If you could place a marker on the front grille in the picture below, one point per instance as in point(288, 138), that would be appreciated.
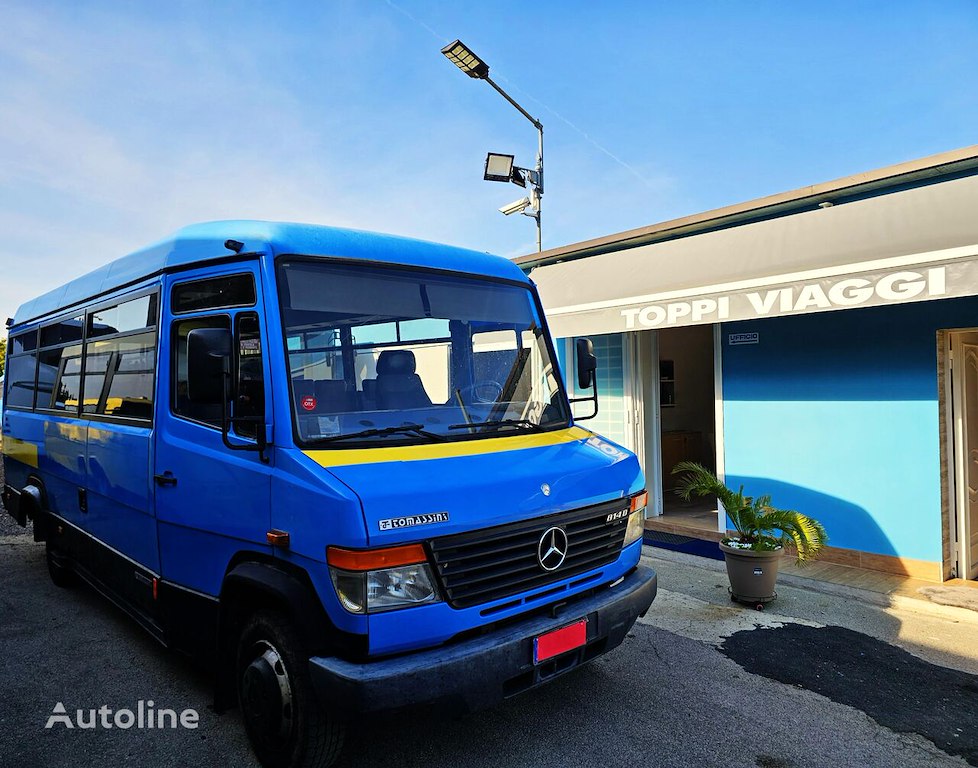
point(493, 563)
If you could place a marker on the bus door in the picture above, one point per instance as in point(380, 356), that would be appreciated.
point(212, 501)
point(116, 502)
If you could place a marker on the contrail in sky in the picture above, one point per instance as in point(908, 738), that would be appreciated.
point(587, 137)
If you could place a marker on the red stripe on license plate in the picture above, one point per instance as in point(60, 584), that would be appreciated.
point(559, 641)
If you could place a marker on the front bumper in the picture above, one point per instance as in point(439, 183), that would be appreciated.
point(482, 671)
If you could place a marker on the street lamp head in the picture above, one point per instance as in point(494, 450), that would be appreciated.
point(463, 58)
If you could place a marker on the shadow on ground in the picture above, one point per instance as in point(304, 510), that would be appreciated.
point(898, 690)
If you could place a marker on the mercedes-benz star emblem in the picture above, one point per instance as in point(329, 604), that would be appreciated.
point(552, 549)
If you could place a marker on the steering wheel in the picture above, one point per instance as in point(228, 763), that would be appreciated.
point(483, 392)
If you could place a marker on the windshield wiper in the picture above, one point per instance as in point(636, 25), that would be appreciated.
point(413, 429)
point(524, 423)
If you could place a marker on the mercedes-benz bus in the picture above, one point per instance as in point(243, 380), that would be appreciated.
point(340, 468)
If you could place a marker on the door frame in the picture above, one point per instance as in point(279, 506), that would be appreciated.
point(649, 437)
point(718, 420)
point(631, 362)
point(958, 532)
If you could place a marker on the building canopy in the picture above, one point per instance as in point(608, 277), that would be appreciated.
point(918, 244)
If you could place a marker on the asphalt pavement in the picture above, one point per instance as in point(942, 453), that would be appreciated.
point(668, 697)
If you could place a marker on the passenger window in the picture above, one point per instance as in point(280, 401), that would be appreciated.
point(112, 375)
point(59, 365)
point(249, 400)
point(422, 330)
point(63, 332)
point(22, 342)
point(59, 378)
point(180, 403)
point(213, 293)
point(129, 316)
point(20, 373)
point(97, 358)
point(119, 376)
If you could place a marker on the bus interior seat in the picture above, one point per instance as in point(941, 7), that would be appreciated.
point(369, 394)
point(398, 386)
point(331, 395)
point(334, 396)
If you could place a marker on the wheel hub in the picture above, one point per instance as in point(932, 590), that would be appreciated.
point(267, 694)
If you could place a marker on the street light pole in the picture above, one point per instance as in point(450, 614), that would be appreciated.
point(537, 184)
point(463, 57)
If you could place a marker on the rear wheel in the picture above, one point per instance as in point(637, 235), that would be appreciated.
point(282, 716)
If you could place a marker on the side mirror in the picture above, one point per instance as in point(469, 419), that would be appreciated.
point(587, 363)
point(208, 358)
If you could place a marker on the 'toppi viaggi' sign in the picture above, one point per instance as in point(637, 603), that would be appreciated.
point(810, 296)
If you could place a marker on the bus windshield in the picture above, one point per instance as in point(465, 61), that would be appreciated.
point(390, 355)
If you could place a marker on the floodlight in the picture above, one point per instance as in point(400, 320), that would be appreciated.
point(499, 167)
point(462, 57)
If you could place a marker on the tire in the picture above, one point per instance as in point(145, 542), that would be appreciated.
point(61, 574)
point(282, 716)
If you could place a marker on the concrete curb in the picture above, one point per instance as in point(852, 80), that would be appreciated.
point(868, 597)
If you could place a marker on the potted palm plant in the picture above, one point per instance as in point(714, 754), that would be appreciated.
point(763, 534)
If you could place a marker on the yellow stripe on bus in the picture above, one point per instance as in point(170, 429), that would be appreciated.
point(21, 451)
point(340, 457)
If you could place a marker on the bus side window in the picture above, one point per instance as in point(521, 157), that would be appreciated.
point(249, 401)
point(22, 370)
point(179, 402)
point(119, 376)
point(120, 359)
point(59, 370)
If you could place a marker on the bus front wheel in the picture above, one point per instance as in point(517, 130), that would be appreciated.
point(283, 719)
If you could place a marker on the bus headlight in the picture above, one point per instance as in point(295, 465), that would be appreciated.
point(400, 587)
point(364, 588)
point(636, 520)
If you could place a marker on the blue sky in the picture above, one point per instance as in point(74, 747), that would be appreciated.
point(120, 122)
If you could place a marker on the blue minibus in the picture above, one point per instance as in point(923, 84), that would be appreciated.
point(339, 468)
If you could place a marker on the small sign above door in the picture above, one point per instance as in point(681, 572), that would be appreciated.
point(743, 338)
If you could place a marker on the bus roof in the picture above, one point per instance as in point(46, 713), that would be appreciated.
point(205, 242)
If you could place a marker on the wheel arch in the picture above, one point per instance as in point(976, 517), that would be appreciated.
point(254, 582)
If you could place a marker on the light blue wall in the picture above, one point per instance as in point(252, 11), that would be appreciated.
point(836, 415)
point(610, 421)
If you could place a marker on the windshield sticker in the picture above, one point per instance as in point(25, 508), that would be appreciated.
point(308, 403)
point(329, 426)
point(394, 523)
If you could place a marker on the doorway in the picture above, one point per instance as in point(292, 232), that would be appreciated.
point(963, 359)
point(680, 380)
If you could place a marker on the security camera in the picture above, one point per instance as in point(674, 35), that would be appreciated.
point(516, 207)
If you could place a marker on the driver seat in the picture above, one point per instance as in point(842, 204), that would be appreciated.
point(398, 386)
